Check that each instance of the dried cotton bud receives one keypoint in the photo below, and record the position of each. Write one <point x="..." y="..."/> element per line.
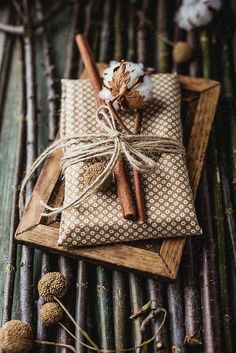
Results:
<point x="51" y="314"/>
<point x="127" y="85"/>
<point x="16" y="337"/>
<point x="92" y="172"/>
<point x="196" y="13"/>
<point x="182" y="52"/>
<point x="51" y="285"/>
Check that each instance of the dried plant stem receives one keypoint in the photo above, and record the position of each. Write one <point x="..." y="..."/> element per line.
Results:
<point x="57" y="8"/>
<point x="192" y="307"/>
<point x="68" y="268"/>
<point x="48" y="343"/>
<point x="131" y="51"/>
<point x="11" y="29"/>
<point x="137" y="301"/>
<point x="50" y="77"/>
<point x="208" y="277"/>
<point x="103" y="55"/>
<point x="142" y="33"/>
<point x="155" y="294"/>
<point x="12" y="248"/>
<point x="81" y="302"/>
<point x="228" y="113"/>
<point x="104" y="309"/>
<point x="119" y="286"/>
<point x="218" y="163"/>
<point x="162" y="47"/>
<point x="26" y="273"/>
<point x="71" y="53"/>
<point x="176" y="317"/>
<point x="193" y="324"/>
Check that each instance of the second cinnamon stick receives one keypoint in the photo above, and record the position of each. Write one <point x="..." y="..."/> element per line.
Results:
<point x="123" y="187"/>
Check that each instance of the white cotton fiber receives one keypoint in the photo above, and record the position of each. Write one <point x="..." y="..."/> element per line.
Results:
<point x="196" y="13"/>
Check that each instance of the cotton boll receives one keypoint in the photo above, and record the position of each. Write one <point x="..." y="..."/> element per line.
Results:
<point x="105" y="94"/>
<point x="214" y="4"/>
<point x="145" y="88"/>
<point x="201" y="15"/>
<point x="135" y="71"/>
<point x="126" y="84"/>
<point x="196" y="13"/>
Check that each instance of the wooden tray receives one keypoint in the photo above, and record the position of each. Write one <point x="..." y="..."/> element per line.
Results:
<point x="163" y="258"/>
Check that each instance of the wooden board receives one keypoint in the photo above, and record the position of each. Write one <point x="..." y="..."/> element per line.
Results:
<point x="201" y="97"/>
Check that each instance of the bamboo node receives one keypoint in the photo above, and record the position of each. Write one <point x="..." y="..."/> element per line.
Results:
<point x="229" y="211"/>
<point x="101" y="288"/>
<point x="10" y="268"/>
<point x="82" y="285"/>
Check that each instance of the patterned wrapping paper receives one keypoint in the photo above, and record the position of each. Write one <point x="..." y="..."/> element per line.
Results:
<point x="168" y="198"/>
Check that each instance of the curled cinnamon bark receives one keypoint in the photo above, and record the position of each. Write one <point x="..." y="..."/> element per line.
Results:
<point x="123" y="187"/>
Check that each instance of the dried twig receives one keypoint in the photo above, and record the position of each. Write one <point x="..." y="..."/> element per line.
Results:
<point x="26" y="273"/>
<point x="208" y="276"/>
<point x="104" y="307"/>
<point x="119" y="286"/>
<point x="176" y="317"/>
<point x="155" y="294"/>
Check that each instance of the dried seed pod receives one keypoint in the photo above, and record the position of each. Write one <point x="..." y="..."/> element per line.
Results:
<point x="182" y="52"/>
<point x="16" y="337"/>
<point x="127" y="84"/>
<point x="92" y="172"/>
<point x="51" y="285"/>
<point x="51" y="314"/>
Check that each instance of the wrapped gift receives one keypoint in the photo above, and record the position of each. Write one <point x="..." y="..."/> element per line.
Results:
<point x="168" y="198"/>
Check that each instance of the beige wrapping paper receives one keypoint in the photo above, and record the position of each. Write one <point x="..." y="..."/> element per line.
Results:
<point x="168" y="198"/>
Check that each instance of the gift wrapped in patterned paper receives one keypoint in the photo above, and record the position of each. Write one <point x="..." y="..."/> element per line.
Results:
<point x="168" y="197"/>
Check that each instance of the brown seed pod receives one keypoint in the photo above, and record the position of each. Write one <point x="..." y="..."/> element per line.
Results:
<point x="92" y="172"/>
<point x="51" y="314"/>
<point x="51" y="285"/>
<point x="16" y="337"/>
<point x="182" y="52"/>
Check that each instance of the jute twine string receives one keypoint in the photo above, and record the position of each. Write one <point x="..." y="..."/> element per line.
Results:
<point x="110" y="145"/>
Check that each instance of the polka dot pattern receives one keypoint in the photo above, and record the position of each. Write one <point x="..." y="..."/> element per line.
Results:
<point x="168" y="197"/>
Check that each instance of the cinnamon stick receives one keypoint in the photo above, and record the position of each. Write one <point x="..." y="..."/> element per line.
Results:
<point x="139" y="195"/>
<point x="123" y="187"/>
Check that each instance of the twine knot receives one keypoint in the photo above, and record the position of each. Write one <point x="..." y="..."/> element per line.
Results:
<point x="109" y="144"/>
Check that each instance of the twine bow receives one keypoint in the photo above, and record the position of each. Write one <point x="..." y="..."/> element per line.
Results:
<point x="110" y="145"/>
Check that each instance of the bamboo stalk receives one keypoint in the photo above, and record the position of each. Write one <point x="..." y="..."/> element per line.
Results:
<point x="208" y="276"/>
<point x="68" y="268"/>
<point x="156" y="295"/>
<point x="230" y="114"/>
<point x="176" y="317"/>
<point x="81" y="302"/>
<point x="72" y="54"/>
<point x="26" y="273"/>
<point x="162" y="48"/>
<point x="119" y="285"/>
<point x="104" y="309"/>
<point x="6" y="63"/>
<point x="131" y="50"/>
<point x="51" y="82"/>
<point x="103" y="55"/>
<point x="136" y="301"/>
<point x="220" y="232"/>
<point x="192" y="307"/>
